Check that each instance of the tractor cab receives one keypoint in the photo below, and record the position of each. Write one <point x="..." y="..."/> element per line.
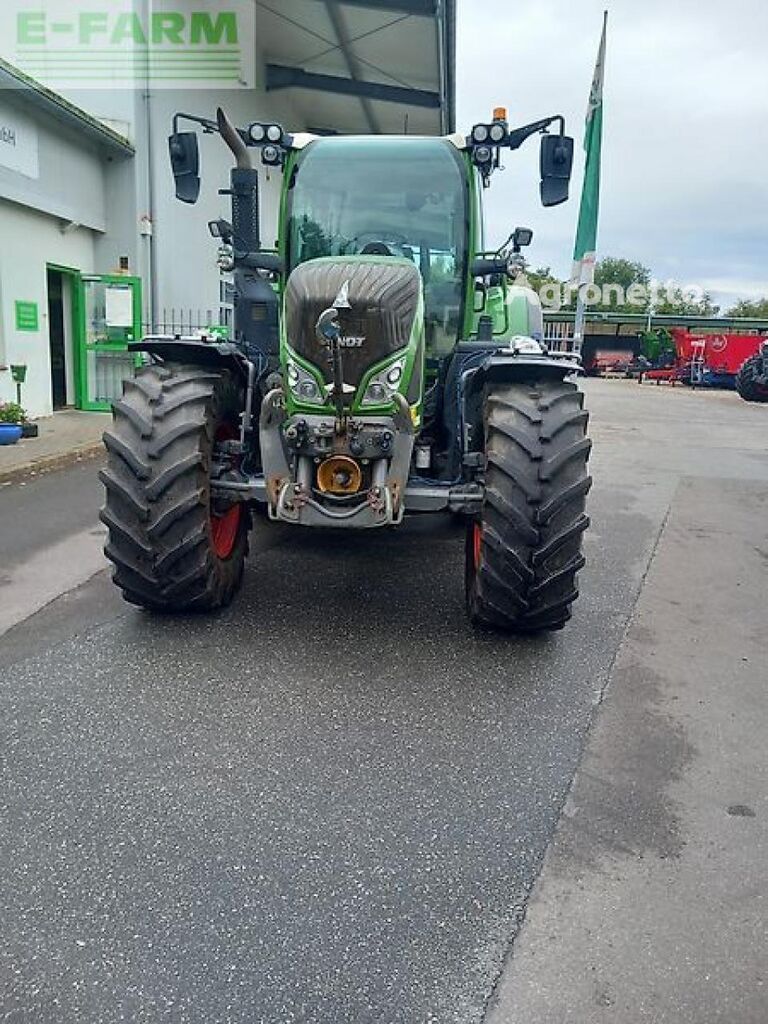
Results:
<point x="401" y="197"/>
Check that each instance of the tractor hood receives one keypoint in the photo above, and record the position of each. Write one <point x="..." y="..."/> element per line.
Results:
<point x="378" y="299"/>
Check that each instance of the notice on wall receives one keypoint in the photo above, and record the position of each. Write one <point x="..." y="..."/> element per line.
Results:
<point x="18" y="142"/>
<point x="27" y="316"/>
<point x="119" y="307"/>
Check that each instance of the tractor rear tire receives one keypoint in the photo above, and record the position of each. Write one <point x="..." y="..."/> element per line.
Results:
<point x="172" y="548"/>
<point x="524" y="551"/>
<point x="749" y="383"/>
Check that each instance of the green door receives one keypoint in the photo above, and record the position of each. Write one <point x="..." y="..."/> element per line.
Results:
<point x="109" y="314"/>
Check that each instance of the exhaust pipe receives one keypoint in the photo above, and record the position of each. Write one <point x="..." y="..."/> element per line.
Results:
<point x="245" y="189"/>
<point x="232" y="138"/>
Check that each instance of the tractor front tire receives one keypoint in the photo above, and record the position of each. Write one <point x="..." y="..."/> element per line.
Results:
<point x="749" y="381"/>
<point x="523" y="552"/>
<point x="172" y="548"/>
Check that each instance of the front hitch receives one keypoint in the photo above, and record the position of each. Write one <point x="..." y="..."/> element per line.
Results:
<point x="288" y="480"/>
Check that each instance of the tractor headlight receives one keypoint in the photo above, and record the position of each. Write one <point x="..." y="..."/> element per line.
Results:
<point x="225" y="259"/>
<point x="271" y="155"/>
<point x="394" y="376"/>
<point x="480" y="133"/>
<point x="302" y="384"/>
<point x="498" y="132"/>
<point x="384" y="383"/>
<point x="261" y="133"/>
<point x="483" y="155"/>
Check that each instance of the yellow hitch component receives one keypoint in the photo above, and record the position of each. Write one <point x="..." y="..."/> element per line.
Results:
<point x="339" y="475"/>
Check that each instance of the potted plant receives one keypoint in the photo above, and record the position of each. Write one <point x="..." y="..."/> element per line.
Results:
<point x="19" y="374"/>
<point x="12" y="417"/>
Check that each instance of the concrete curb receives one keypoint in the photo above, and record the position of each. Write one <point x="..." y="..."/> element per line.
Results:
<point x="49" y="463"/>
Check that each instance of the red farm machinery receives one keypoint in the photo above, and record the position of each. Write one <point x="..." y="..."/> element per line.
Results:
<point x="709" y="360"/>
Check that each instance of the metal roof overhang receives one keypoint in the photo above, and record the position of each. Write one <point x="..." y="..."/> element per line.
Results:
<point x="38" y="96"/>
<point x="362" y="66"/>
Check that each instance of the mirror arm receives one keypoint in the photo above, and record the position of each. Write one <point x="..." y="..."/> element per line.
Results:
<point x="482" y="267"/>
<point x="204" y="122"/>
<point x="233" y="137"/>
<point x="269" y="261"/>
<point x="518" y="135"/>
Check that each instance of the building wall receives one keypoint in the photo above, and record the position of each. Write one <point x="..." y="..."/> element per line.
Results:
<point x="126" y="183"/>
<point x="30" y="241"/>
<point x="62" y="201"/>
<point x="64" y="176"/>
<point x="111" y="198"/>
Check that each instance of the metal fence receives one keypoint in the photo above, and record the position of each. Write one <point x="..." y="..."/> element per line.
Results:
<point x="183" y="321"/>
<point x="559" y="336"/>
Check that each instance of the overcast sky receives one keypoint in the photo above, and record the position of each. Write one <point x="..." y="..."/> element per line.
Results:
<point x="685" y="133"/>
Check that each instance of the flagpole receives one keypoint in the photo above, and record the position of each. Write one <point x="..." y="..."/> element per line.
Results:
<point x="586" y="233"/>
<point x="578" y="322"/>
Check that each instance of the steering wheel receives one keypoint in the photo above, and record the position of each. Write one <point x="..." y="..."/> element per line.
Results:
<point x="376" y="249"/>
<point x="391" y="243"/>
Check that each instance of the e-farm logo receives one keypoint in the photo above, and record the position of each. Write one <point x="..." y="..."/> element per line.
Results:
<point x="174" y="43"/>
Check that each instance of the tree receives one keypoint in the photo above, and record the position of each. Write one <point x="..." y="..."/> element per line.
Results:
<point x="540" y="277"/>
<point x="627" y="286"/>
<point x="616" y="277"/>
<point x="616" y="270"/>
<point x="680" y="305"/>
<point x="750" y="309"/>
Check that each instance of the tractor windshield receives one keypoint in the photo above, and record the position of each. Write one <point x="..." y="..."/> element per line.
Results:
<point x="399" y="196"/>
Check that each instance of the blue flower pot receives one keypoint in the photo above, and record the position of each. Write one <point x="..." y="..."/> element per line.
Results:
<point x="9" y="433"/>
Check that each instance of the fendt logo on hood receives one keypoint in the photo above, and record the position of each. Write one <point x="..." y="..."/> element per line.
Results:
<point x="342" y="299"/>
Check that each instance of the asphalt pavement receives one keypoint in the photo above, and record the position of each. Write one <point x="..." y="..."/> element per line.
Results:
<point x="652" y="905"/>
<point x="331" y="802"/>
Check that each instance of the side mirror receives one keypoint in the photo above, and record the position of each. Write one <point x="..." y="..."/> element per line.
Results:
<point x="185" y="163"/>
<point x="556" y="162"/>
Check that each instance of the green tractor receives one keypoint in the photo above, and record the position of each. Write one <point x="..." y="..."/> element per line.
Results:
<point x="382" y="365"/>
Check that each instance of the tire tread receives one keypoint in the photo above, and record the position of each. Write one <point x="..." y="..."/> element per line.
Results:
<point x="748" y="384"/>
<point x="157" y="489"/>
<point x="533" y="518"/>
